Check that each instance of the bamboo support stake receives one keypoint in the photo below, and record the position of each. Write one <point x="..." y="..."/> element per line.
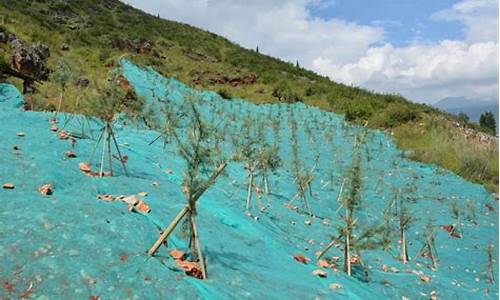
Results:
<point x="330" y="245"/>
<point x="249" y="190"/>
<point x="110" y="157"/>
<point x="60" y="103"/>
<point x="103" y="151"/>
<point x="347" y="256"/>
<point x="404" y="249"/>
<point x="362" y="263"/>
<point x="209" y="182"/>
<point x="119" y="153"/>
<point x="201" y="258"/>
<point x="266" y="185"/>
<point x="95" y="146"/>
<point x="168" y="230"/>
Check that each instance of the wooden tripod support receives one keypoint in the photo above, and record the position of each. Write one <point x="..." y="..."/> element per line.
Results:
<point x="107" y="137"/>
<point x="186" y="210"/>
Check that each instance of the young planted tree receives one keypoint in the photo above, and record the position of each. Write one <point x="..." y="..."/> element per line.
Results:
<point x="455" y="228"/>
<point x="268" y="162"/>
<point x="246" y="152"/>
<point x="404" y="221"/>
<point x="354" y="237"/>
<point x="62" y="76"/>
<point x="111" y="101"/>
<point x="303" y="178"/>
<point x="429" y="246"/>
<point x="350" y="203"/>
<point x="166" y="129"/>
<point x="203" y="167"/>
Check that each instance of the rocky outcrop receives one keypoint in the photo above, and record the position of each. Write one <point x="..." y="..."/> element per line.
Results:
<point x="141" y="46"/>
<point x="217" y="78"/>
<point x="30" y="62"/>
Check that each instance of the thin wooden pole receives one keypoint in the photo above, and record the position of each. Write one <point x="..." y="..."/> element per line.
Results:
<point x="266" y="185"/>
<point x="110" y="157"/>
<point x="60" y="103"/>
<point x="404" y="250"/>
<point x="103" y="151"/>
<point x="168" y="230"/>
<point x="118" y="150"/>
<point x="347" y="255"/>
<point x="249" y="190"/>
<point x="330" y="245"/>
<point x="347" y="245"/>
<point x="95" y="146"/>
<point x="153" y="141"/>
<point x="362" y="263"/>
<point x="289" y="204"/>
<point x="201" y="258"/>
<point x="209" y="182"/>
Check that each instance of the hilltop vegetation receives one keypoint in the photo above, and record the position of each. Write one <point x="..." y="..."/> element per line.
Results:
<point x="90" y="36"/>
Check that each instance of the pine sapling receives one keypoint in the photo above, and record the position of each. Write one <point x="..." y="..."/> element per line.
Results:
<point x="112" y="100"/>
<point x="197" y="150"/>
<point x="62" y="76"/>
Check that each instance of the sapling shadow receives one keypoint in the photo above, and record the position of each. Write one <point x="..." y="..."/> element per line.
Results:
<point x="491" y="263"/>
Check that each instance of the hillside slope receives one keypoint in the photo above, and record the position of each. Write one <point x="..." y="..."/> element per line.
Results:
<point x="82" y="247"/>
<point x="88" y="37"/>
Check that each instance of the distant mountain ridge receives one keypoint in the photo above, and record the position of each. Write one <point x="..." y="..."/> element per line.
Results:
<point x="472" y="107"/>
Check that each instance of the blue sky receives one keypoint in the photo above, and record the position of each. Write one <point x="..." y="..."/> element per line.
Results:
<point x="403" y="21"/>
<point x="425" y="50"/>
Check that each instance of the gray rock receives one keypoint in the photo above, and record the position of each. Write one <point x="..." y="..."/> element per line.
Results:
<point x="41" y="50"/>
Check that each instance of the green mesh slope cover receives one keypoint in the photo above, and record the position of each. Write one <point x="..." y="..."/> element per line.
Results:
<point x="70" y="245"/>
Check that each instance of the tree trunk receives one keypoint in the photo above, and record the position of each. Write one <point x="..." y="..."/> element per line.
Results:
<point x="197" y="245"/>
<point x="330" y="245"/>
<point x="110" y="157"/>
<point x="95" y="146"/>
<point x="266" y="185"/>
<point x="249" y="191"/>
<point x="362" y="263"/>
<point x="105" y="136"/>
<point x="404" y="249"/>
<point x="60" y="103"/>
<point x="347" y="254"/>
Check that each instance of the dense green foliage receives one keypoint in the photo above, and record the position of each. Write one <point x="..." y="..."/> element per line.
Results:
<point x="488" y="123"/>
<point x="90" y="36"/>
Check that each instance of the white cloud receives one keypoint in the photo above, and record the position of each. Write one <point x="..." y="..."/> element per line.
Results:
<point x="353" y="53"/>
<point x="480" y="18"/>
<point x="283" y="28"/>
<point x="425" y="72"/>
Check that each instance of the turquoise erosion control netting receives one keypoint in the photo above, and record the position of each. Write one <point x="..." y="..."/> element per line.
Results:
<point x="71" y="245"/>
